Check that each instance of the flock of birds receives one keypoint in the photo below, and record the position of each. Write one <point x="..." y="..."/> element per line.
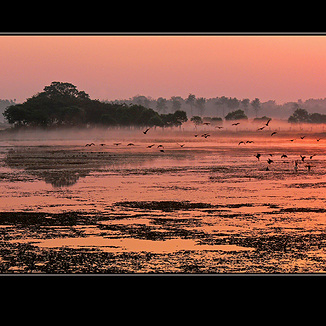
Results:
<point x="269" y="160"/>
<point x="206" y="135"/>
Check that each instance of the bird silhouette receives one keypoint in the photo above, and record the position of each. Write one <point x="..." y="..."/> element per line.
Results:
<point x="268" y="122"/>
<point x="181" y="145"/>
<point x="258" y="156"/>
<point x="150" y="146"/>
<point x="218" y="127"/>
<point x="162" y="150"/>
<point x="145" y="131"/>
<point x="205" y="135"/>
<point x="160" y="146"/>
<point x="273" y="133"/>
<point x="292" y="139"/>
<point x="319" y="139"/>
<point x="116" y="144"/>
<point x="284" y="156"/>
<point x="131" y="144"/>
<point x="269" y="161"/>
<point x="235" y="124"/>
<point x="249" y="141"/>
<point x="311" y="156"/>
<point x="261" y="128"/>
<point x="242" y="142"/>
<point x="302" y="137"/>
<point x="302" y="158"/>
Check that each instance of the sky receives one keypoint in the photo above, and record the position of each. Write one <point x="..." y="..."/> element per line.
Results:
<point x="281" y="68"/>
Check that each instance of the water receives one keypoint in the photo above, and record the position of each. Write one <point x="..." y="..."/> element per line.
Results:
<point x="208" y="207"/>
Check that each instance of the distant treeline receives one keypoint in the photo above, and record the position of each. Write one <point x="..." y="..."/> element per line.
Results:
<point x="62" y="104"/>
<point x="221" y="106"/>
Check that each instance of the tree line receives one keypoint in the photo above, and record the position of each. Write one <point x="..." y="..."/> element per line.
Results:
<point x="62" y="104"/>
<point x="196" y="106"/>
<point x="221" y="106"/>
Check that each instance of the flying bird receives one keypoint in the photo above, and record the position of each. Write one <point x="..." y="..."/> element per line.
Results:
<point x="160" y="146"/>
<point x="181" y="145"/>
<point x="218" y="127"/>
<point x="235" y="124"/>
<point x="145" y="131"/>
<point x="242" y="142"/>
<point x="273" y="133"/>
<point x="258" y="156"/>
<point x="116" y="144"/>
<point x="284" y="156"/>
<point x="311" y="156"/>
<point x="131" y="144"/>
<point x="162" y="150"/>
<point x="319" y="139"/>
<point x="150" y="146"/>
<point x="302" y="137"/>
<point x="269" y="161"/>
<point x="292" y="139"/>
<point x="268" y="122"/>
<point x="261" y="128"/>
<point x="205" y="135"/>
<point x="302" y="158"/>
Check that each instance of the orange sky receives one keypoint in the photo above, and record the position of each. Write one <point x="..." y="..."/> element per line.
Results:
<point x="284" y="68"/>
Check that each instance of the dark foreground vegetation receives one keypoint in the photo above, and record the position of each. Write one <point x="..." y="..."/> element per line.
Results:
<point x="61" y="104"/>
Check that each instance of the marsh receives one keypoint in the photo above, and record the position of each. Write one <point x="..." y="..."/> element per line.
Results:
<point x="207" y="207"/>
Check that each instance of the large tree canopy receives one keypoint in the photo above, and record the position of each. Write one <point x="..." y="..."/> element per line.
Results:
<point x="63" y="104"/>
<point x="302" y="115"/>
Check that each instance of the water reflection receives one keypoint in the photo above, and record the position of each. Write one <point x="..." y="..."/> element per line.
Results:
<point x="63" y="167"/>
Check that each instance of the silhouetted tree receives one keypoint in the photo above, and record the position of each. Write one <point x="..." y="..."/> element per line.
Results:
<point x="191" y="99"/>
<point x="200" y="104"/>
<point x="255" y="105"/>
<point x="197" y="120"/>
<point x="233" y="103"/>
<point x="176" y="104"/>
<point x="236" y="115"/>
<point x="161" y="104"/>
<point x="245" y="104"/>
<point x="299" y="115"/>
<point x="62" y="104"/>
<point x="221" y="103"/>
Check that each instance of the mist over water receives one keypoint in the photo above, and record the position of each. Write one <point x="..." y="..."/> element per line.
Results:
<point x="168" y="193"/>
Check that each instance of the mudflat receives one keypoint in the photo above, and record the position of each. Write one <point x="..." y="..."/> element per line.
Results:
<point x="209" y="206"/>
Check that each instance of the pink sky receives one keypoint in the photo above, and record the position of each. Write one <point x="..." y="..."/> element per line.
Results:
<point x="283" y="68"/>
